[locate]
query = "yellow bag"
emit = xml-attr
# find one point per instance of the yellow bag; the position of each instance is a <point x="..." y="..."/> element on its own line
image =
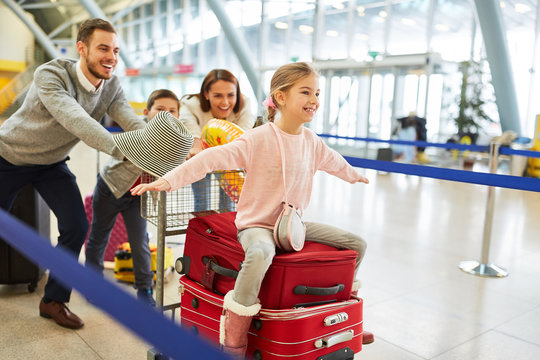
<point x="533" y="164"/>
<point x="123" y="262"/>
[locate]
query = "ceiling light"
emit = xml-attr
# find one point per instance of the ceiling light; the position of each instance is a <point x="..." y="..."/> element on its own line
<point x="338" y="5"/>
<point x="407" y="21"/>
<point x="503" y="4"/>
<point x="442" y="27"/>
<point x="522" y="8"/>
<point x="361" y="10"/>
<point x="281" y="25"/>
<point x="363" y="37"/>
<point x="332" y="33"/>
<point x="305" y="29"/>
<point x="383" y="14"/>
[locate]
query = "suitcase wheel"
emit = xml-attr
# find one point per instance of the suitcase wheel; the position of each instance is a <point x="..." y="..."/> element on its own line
<point x="155" y="354"/>
<point x="179" y="265"/>
<point x="257" y="324"/>
<point x="195" y="303"/>
<point x="257" y="355"/>
<point x="32" y="287"/>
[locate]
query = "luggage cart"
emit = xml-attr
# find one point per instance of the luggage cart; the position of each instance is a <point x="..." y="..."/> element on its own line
<point x="170" y="213"/>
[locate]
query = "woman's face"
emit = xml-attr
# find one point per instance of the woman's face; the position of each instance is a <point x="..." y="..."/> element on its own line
<point x="222" y="98"/>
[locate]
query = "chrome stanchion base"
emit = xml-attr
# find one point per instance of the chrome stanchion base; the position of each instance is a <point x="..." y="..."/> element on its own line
<point x="488" y="270"/>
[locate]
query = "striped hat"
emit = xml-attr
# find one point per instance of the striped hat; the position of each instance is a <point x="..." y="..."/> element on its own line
<point x="159" y="147"/>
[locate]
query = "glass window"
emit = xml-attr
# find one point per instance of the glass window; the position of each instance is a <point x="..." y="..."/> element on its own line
<point x="407" y="27"/>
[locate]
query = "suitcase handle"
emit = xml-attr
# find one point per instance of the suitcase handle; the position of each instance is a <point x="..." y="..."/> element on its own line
<point x="319" y="291"/>
<point x="332" y="340"/>
<point x="220" y="269"/>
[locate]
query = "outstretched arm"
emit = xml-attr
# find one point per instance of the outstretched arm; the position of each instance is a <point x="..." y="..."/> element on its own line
<point x="334" y="164"/>
<point x="159" y="185"/>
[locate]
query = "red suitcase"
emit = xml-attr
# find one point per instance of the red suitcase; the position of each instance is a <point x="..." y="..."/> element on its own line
<point x="316" y="275"/>
<point x="330" y="331"/>
<point x="118" y="233"/>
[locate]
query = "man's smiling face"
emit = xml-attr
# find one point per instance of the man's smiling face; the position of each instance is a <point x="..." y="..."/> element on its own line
<point x="100" y="56"/>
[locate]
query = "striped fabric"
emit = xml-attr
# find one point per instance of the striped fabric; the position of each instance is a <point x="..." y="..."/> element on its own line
<point x="157" y="148"/>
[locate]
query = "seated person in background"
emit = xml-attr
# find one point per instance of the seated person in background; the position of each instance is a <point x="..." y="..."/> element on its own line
<point x="112" y="197"/>
<point x="405" y="131"/>
<point x="421" y="133"/>
<point x="219" y="98"/>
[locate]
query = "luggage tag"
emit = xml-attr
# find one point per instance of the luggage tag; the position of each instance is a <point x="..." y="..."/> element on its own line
<point x="208" y="274"/>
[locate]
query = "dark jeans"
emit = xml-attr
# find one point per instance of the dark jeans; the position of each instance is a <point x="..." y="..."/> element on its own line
<point x="57" y="186"/>
<point x="202" y="195"/>
<point x="105" y="209"/>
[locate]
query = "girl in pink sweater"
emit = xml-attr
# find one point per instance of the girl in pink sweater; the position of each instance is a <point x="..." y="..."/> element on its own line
<point x="294" y="91"/>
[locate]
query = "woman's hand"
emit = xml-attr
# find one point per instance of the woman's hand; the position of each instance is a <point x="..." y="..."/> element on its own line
<point x="196" y="148"/>
<point x="159" y="185"/>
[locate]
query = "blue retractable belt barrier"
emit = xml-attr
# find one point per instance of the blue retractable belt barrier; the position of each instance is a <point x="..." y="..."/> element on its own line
<point x="509" y="151"/>
<point x="140" y="318"/>
<point x="114" y="129"/>
<point x="507" y="181"/>
<point x="478" y="148"/>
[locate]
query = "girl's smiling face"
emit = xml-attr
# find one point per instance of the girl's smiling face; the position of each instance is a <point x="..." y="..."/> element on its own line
<point x="301" y="101"/>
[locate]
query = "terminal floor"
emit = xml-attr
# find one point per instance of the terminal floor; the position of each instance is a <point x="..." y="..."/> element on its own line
<point x="418" y="303"/>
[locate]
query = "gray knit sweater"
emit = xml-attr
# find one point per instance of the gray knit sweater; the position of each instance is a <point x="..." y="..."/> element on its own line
<point x="58" y="112"/>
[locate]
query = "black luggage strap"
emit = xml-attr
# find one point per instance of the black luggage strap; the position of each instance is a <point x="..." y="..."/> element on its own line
<point x="319" y="291"/>
<point x="223" y="271"/>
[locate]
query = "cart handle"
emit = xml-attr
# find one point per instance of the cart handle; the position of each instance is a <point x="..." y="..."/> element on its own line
<point x="319" y="291"/>
<point x="220" y="269"/>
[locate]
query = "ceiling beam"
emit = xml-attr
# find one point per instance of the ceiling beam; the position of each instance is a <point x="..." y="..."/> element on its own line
<point x="237" y="42"/>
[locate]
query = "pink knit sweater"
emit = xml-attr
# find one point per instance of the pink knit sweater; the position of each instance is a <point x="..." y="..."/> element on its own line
<point x="257" y="151"/>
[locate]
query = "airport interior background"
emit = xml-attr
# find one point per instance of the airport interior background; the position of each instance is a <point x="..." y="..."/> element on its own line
<point x="378" y="61"/>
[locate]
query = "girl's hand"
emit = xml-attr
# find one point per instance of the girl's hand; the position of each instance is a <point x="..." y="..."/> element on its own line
<point x="362" y="180"/>
<point x="159" y="185"/>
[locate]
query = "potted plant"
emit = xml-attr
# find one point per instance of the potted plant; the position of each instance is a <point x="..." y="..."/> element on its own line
<point x="476" y="95"/>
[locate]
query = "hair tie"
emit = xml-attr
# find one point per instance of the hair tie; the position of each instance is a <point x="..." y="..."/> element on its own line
<point x="269" y="102"/>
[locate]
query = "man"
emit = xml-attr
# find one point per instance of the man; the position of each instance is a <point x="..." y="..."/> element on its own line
<point x="63" y="106"/>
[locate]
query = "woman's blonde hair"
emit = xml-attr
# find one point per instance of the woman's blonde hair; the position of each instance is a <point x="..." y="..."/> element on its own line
<point x="284" y="78"/>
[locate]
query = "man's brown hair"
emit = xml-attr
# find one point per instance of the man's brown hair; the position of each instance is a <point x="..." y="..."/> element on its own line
<point x="86" y="30"/>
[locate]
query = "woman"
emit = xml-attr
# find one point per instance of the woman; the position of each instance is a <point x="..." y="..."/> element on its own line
<point x="219" y="98"/>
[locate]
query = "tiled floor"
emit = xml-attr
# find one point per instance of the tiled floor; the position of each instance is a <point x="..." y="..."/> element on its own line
<point x="417" y="302"/>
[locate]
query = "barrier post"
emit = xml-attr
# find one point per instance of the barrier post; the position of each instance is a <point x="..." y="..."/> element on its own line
<point x="153" y="353"/>
<point x="484" y="268"/>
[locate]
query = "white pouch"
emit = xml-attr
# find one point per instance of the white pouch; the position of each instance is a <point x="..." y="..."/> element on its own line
<point x="290" y="230"/>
